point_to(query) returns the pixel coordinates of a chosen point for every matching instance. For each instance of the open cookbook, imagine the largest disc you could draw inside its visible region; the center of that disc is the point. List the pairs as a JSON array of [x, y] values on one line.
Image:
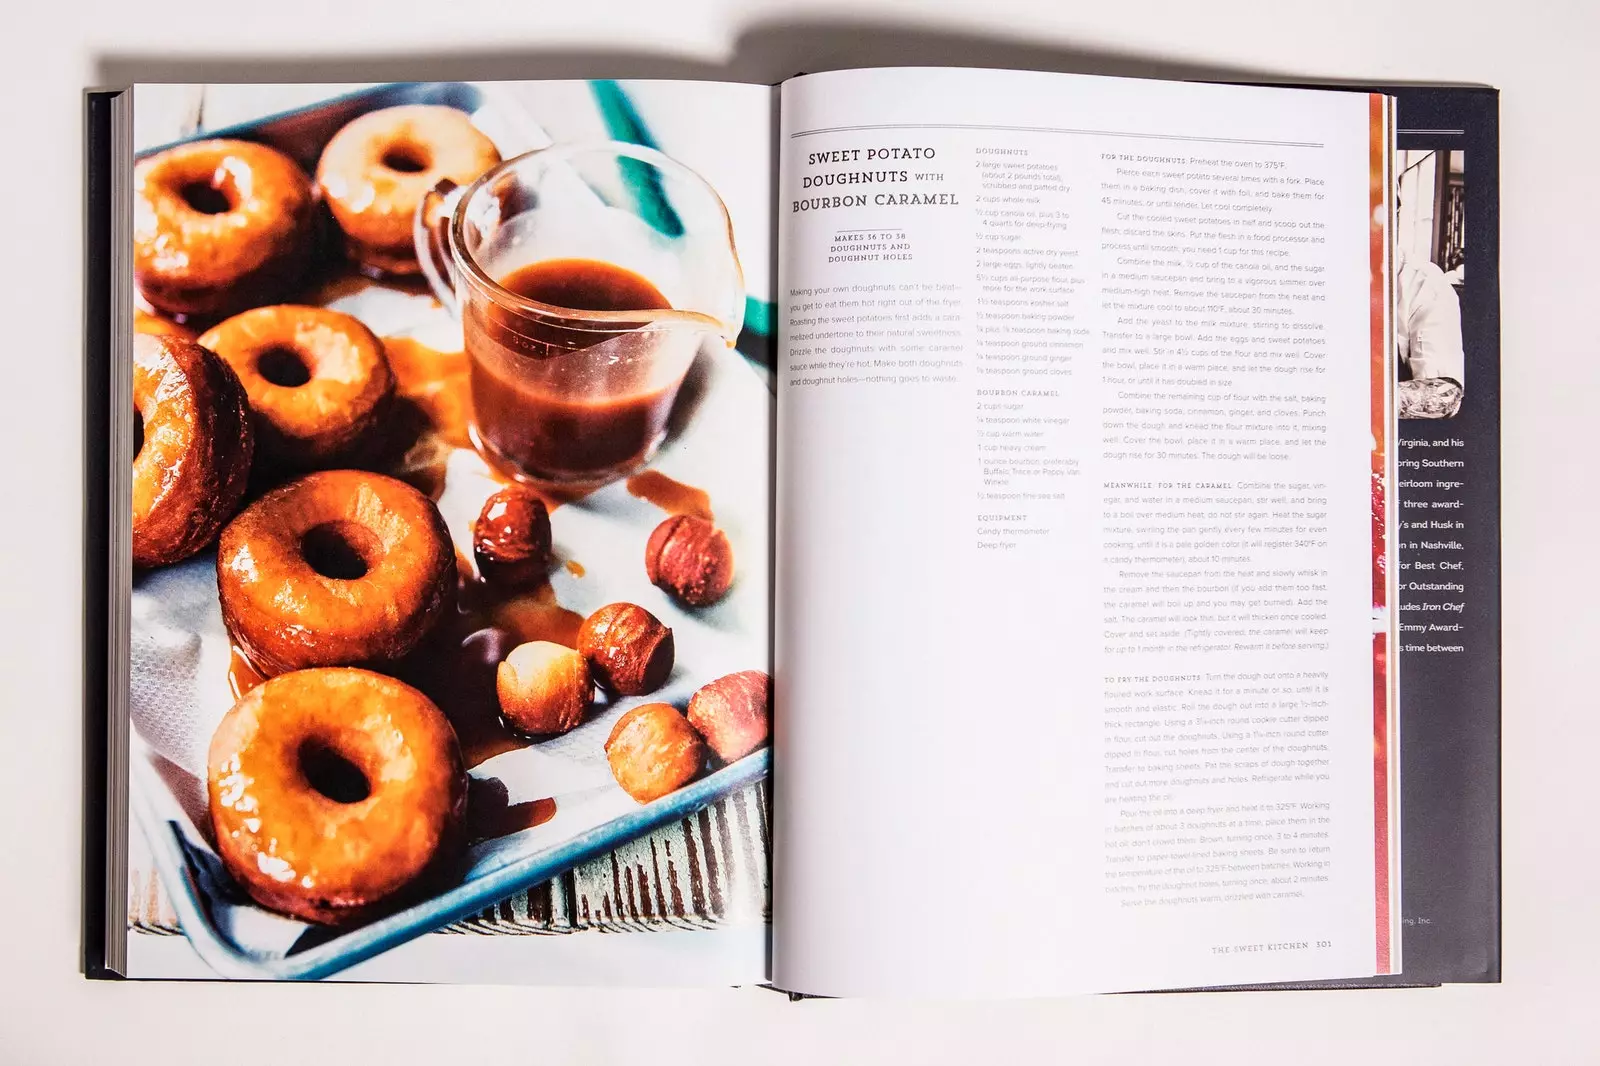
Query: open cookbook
[[897, 532]]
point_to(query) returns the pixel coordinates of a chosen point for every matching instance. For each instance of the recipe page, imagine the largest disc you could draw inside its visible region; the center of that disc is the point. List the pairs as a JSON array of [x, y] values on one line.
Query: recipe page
[[1078, 572]]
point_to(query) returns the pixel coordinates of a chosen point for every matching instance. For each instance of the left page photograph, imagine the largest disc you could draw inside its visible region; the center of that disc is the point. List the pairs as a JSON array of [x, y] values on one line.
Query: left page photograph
[[449, 648]]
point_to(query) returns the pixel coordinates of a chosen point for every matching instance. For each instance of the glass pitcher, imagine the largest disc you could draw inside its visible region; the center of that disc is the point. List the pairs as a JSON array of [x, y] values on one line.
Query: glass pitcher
[[587, 278]]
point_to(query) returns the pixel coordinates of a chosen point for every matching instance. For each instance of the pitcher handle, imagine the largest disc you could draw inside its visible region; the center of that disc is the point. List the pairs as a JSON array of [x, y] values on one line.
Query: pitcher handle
[[430, 232]]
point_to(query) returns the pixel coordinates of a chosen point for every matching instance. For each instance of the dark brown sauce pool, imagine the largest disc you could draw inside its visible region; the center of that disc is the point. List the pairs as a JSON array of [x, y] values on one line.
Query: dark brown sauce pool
[[457, 667], [489, 815]]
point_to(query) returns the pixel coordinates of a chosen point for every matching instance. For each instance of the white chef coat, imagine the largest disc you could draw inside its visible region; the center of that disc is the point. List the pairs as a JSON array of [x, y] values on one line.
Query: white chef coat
[[1427, 322]]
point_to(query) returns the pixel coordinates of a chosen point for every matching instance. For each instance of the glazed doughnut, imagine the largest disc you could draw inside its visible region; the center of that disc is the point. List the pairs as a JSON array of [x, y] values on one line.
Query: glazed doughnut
[[332, 791], [219, 226], [340, 567], [192, 449], [378, 168], [318, 380], [145, 322]]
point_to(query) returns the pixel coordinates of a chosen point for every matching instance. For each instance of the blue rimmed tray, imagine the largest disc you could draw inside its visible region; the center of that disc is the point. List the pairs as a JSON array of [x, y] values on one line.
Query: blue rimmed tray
[[201, 890]]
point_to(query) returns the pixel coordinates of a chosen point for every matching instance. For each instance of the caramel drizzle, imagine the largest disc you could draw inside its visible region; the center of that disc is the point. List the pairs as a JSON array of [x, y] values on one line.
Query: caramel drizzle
[[490, 815], [242, 676], [433, 418], [672, 496]]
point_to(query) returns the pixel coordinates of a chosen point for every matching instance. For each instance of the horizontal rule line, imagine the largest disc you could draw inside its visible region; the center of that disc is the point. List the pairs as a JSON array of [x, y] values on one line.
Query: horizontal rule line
[[1053, 129]]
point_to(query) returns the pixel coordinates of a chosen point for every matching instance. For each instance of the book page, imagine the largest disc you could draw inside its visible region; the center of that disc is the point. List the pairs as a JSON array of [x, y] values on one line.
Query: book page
[[488, 562], [1083, 408]]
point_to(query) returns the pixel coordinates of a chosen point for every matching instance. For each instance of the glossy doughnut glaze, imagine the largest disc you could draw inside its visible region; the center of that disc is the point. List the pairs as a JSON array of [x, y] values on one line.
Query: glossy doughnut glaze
[[331, 791], [318, 380], [338, 568], [219, 225], [145, 322], [194, 448], [377, 169]]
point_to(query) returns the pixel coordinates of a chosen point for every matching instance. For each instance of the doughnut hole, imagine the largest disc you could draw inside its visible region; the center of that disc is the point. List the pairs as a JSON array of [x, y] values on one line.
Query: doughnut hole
[[331, 774], [284, 367], [207, 197], [341, 551], [405, 157], [138, 433]]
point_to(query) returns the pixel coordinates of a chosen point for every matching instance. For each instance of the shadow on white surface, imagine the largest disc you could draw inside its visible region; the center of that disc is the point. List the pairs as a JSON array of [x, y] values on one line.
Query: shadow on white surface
[[768, 51]]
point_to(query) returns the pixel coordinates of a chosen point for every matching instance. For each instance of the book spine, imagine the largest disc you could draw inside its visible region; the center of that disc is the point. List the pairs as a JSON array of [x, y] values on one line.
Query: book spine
[[97, 258]]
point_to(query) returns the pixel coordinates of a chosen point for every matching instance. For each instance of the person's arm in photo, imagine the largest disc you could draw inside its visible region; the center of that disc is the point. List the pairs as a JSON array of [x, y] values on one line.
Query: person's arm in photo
[[1431, 317]]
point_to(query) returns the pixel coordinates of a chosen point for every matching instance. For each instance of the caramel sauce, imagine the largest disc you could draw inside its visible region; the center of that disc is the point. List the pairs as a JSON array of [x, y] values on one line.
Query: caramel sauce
[[431, 415], [456, 669], [466, 572], [242, 677], [457, 666], [344, 279], [538, 616], [574, 567], [489, 815], [567, 419], [435, 382], [585, 285], [338, 286], [673, 497], [417, 366]]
